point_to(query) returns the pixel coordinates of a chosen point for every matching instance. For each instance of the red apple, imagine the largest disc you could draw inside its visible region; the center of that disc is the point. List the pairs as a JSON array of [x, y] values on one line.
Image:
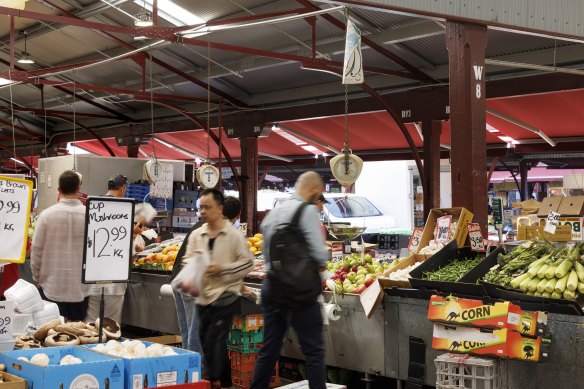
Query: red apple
[[345, 269], [343, 276], [359, 289], [335, 277], [368, 281], [355, 268]]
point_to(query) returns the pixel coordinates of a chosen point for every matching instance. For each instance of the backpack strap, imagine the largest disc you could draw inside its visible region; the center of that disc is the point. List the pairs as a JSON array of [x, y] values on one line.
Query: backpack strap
[[297, 214]]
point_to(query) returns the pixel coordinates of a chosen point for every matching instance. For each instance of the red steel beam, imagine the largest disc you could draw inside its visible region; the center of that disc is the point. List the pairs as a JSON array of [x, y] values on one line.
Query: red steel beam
[[21, 129], [199, 123], [16, 156], [306, 61], [416, 73], [119, 115], [256, 17], [41, 112], [89, 130], [157, 32]]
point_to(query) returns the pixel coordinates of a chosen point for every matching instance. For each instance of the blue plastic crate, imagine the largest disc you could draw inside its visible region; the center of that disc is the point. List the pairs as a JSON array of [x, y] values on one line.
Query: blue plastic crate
[[161, 205], [137, 191]]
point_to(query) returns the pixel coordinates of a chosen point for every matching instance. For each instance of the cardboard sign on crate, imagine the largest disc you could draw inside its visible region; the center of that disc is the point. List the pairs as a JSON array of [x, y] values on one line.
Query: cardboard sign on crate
[[460, 215]]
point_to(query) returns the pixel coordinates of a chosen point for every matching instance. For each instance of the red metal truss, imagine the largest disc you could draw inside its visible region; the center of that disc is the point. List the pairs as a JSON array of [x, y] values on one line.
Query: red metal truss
[[41, 112], [415, 72], [16, 156], [156, 31], [25, 130]]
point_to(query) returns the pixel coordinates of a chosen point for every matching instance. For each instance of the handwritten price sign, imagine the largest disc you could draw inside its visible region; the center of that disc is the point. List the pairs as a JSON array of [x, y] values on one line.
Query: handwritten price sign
[[552, 222], [475, 236], [442, 233], [108, 239], [415, 240], [15, 200]]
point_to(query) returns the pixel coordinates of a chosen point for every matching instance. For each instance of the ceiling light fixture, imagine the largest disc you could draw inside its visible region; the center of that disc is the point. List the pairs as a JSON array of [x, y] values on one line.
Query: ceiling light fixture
[[25, 58], [143, 18]]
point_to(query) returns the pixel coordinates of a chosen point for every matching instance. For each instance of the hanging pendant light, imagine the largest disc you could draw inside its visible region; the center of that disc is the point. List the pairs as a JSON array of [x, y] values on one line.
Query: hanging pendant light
[[25, 57], [143, 18]]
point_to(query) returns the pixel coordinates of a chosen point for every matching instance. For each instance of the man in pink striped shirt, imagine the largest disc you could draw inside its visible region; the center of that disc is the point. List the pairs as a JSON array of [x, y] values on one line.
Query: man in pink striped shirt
[[57, 250]]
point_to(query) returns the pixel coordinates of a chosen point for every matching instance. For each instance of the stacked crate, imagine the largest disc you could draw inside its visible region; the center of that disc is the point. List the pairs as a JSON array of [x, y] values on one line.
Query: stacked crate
[[245, 341]]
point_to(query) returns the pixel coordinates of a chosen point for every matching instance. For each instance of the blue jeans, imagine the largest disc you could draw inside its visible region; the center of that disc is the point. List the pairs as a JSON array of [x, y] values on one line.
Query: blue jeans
[[188, 322], [307, 322]]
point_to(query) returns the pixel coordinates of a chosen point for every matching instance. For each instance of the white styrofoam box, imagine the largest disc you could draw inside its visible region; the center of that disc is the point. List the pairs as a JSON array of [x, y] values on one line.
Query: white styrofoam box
[[304, 385], [26, 297], [184, 367], [20, 323], [49, 313], [96, 371]]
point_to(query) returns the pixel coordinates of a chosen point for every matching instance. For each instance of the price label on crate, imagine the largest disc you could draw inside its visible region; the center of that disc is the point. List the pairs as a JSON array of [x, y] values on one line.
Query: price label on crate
[[552, 222], [15, 200], [477, 243], [415, 240], [442, 232]]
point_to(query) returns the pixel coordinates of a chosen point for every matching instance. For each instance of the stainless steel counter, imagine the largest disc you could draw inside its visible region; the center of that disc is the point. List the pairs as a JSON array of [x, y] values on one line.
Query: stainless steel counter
[[144, 307]]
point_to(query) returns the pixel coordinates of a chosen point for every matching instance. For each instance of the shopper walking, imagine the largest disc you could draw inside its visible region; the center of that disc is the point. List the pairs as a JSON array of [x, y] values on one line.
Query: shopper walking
[[57, 250], [216, 304], [306, 320], [114, 292]]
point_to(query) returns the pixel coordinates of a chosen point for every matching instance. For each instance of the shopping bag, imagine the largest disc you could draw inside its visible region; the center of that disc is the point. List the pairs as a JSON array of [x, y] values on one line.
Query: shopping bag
[[190, 279]]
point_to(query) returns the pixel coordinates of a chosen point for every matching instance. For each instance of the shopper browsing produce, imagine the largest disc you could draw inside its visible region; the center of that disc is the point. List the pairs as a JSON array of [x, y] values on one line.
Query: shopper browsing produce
[[57, 250], [278, 316], [217, 301]]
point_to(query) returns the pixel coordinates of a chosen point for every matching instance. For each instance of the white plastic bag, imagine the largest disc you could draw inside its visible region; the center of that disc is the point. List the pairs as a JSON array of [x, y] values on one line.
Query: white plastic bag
[[190, 279], [139, 244]]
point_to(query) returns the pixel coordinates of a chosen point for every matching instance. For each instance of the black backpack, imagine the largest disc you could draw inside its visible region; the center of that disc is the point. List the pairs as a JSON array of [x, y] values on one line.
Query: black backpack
[[294, 277]]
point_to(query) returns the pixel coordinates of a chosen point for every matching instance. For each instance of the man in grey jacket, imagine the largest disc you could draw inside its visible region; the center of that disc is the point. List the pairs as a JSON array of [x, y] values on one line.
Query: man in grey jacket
[[306, 320]]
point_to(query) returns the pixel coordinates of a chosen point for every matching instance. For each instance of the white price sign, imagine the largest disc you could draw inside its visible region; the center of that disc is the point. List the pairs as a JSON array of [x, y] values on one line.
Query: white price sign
[[15, 200], [415, 240], [552, 222], [442, 233], [476, 237], [6, 316], [107, 252]]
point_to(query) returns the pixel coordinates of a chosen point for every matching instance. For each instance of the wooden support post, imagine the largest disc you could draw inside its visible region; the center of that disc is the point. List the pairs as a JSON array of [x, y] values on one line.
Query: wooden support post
[[249, 182], [466, 54], [431, 131]]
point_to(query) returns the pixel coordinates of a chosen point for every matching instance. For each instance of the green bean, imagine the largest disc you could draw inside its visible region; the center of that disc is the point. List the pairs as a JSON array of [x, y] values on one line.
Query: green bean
[[453, 271]]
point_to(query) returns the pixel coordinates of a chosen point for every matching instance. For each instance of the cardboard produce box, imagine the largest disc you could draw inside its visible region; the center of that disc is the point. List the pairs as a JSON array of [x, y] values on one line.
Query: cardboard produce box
[[502, 343], [139, 373], [563, 233], [460, 215], [10, 381], [95, 371], [574, 222], [474, 313], [386, 282], [565, 206]]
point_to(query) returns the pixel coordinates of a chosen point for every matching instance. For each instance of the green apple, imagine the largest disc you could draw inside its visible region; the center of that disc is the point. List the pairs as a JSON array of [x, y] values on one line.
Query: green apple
[[360, 282], [370, 269], [337, 265], [351, 276], [368, 258], [353, 262], [351, 289], [347, 262], [362, 271]]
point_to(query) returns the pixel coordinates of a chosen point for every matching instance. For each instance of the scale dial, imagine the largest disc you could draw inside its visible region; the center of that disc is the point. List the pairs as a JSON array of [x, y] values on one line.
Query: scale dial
[[346, 168], [153, 170], [208, 176]]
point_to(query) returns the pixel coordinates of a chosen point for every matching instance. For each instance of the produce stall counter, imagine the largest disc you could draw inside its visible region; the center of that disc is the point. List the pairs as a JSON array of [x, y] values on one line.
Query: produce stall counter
[[352, 342], [407, 317], [145, 307]]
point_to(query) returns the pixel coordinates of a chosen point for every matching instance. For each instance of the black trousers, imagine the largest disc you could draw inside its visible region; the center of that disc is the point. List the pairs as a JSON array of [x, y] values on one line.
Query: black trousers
[[215, 323], [70, 311]]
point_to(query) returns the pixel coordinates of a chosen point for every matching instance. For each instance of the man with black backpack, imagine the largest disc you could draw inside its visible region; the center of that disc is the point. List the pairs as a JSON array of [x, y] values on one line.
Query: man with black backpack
[[295, 253]]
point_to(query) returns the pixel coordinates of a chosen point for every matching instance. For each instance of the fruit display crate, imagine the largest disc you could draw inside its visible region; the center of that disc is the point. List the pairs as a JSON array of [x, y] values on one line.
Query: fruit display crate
[[137, 191], [242, 367]]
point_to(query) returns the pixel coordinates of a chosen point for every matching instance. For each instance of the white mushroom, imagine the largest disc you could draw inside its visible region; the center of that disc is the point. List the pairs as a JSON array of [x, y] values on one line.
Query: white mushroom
[[166, 350], [40, 359], [23, 359]]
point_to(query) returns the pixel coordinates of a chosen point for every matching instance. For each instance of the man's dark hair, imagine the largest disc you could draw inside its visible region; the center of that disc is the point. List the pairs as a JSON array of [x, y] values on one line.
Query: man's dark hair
[[217, 195], [231, 207], [117, 182], [69, 181]]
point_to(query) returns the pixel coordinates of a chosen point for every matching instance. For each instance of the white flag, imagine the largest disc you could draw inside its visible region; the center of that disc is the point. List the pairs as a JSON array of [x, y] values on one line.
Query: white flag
[[353, 64]]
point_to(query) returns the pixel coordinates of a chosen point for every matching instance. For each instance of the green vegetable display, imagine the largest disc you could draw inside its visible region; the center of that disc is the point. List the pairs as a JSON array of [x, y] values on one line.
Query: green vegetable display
[[541, 269], [453, 271]]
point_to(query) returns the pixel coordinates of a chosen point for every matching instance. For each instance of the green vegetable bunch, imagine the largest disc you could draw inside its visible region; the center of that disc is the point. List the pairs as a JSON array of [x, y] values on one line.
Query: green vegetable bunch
[[453, 271]]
